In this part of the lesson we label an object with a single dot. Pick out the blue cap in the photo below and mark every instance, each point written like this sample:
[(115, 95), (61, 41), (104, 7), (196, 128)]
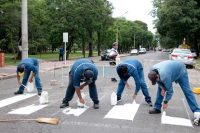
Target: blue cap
[(88, 74)]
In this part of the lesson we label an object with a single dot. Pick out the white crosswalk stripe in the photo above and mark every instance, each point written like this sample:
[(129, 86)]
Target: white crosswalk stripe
[(127, 111), (15, 99), (28, 109)]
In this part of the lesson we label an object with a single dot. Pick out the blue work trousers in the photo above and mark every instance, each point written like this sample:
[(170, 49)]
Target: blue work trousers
[(184, 84), (143, 86), (25, 80), (71, 89)]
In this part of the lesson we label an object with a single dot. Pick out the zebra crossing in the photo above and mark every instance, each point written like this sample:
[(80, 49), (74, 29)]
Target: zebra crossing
[(126, 111)]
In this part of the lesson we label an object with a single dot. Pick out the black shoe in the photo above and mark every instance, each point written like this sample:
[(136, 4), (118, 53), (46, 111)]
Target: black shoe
[(154, 111), (18, 92), (149, 103), (96, 106), (119, 99), (113, 79), (39, 93), (63, 105)]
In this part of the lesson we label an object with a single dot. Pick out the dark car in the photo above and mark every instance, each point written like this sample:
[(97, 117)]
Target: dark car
[(105, 55)]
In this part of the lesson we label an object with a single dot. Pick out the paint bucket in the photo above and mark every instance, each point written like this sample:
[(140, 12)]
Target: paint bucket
[(44, 97), (30, 87), (113, 99)]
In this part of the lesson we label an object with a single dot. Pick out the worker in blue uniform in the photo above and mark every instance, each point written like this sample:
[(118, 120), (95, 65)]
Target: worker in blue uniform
[(164, 74), (132, 68), (83, 71), (24, 68)]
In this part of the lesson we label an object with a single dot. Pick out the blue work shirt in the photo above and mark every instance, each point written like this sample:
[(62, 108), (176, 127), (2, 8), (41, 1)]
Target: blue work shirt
[(169, 71), (30, 64), (134, 68), (61, 51), (79, 67)]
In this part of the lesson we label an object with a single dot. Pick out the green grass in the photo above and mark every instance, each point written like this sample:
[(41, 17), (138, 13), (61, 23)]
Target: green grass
[(198, 61), (9, 58)]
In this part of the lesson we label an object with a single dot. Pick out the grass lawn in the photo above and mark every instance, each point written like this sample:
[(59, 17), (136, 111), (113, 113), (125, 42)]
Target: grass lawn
[(9, 58), (198, 61)]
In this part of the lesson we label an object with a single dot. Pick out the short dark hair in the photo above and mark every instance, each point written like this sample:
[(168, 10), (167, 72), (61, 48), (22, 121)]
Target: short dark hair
[(20, 68), (122, 69), (153, 76)]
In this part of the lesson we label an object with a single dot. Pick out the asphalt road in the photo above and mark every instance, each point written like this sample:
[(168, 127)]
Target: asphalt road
[(92, 120)]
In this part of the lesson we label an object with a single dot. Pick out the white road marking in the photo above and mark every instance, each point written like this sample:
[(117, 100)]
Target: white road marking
[(14, 99), (125, 112), (28, 109), (175, 120), (75, 112)]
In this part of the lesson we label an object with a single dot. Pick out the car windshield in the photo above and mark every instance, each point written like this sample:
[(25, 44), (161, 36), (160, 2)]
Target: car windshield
[(182, 51)]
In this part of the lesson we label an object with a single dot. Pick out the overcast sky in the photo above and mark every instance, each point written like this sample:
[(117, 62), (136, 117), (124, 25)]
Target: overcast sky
[(137, 10)]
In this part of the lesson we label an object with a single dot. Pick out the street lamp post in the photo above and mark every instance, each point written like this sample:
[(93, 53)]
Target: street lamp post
[(117, 34), (24, 30)]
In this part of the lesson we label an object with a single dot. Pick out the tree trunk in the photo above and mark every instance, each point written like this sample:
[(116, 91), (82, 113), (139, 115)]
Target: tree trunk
[(90, 44), (99, 43), (83, 46)]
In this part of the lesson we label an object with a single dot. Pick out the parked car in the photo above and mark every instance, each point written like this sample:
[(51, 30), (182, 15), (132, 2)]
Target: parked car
[(142, 51), (194, 54), (105, 55), (134, 52), (184, 55)]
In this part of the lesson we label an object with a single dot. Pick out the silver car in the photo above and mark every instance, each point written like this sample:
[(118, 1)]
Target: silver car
[(184, 55)]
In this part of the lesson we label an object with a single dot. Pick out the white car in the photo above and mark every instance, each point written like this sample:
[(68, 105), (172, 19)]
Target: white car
[(134, 52), (142, 51), (183, 55)]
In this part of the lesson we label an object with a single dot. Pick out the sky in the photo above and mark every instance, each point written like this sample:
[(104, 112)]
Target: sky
[(136, 10)]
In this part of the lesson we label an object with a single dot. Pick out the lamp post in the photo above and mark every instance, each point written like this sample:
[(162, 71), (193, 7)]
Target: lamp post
[(117, 34), (24, 29)]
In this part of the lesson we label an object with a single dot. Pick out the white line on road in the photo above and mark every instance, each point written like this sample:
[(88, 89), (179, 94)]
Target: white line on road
[(28, 109), (125, 112), (14, 99)]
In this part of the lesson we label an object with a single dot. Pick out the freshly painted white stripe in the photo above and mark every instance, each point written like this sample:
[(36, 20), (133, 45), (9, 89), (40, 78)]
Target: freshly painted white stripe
[(28, 109), (75, 112), (125, 112), (175, 120), (14, 99)]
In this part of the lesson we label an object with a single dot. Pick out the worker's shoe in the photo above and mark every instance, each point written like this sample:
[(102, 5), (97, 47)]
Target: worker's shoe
[(64, 104), (113, 79), (149, 103), (96, 106), (119, 99), (39, 93), (18, 92), (154, 111)]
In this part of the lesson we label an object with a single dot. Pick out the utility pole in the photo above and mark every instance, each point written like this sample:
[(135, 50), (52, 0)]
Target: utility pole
[(24, 26), (117, 34)]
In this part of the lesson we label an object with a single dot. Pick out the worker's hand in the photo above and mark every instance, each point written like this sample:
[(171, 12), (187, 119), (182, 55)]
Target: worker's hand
[(82, 101), (164, 106), (30, 80), (163, 92), (19, 82), (128, 86)]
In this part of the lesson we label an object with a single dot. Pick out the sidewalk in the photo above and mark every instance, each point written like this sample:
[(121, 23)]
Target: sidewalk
[(10, 71)]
